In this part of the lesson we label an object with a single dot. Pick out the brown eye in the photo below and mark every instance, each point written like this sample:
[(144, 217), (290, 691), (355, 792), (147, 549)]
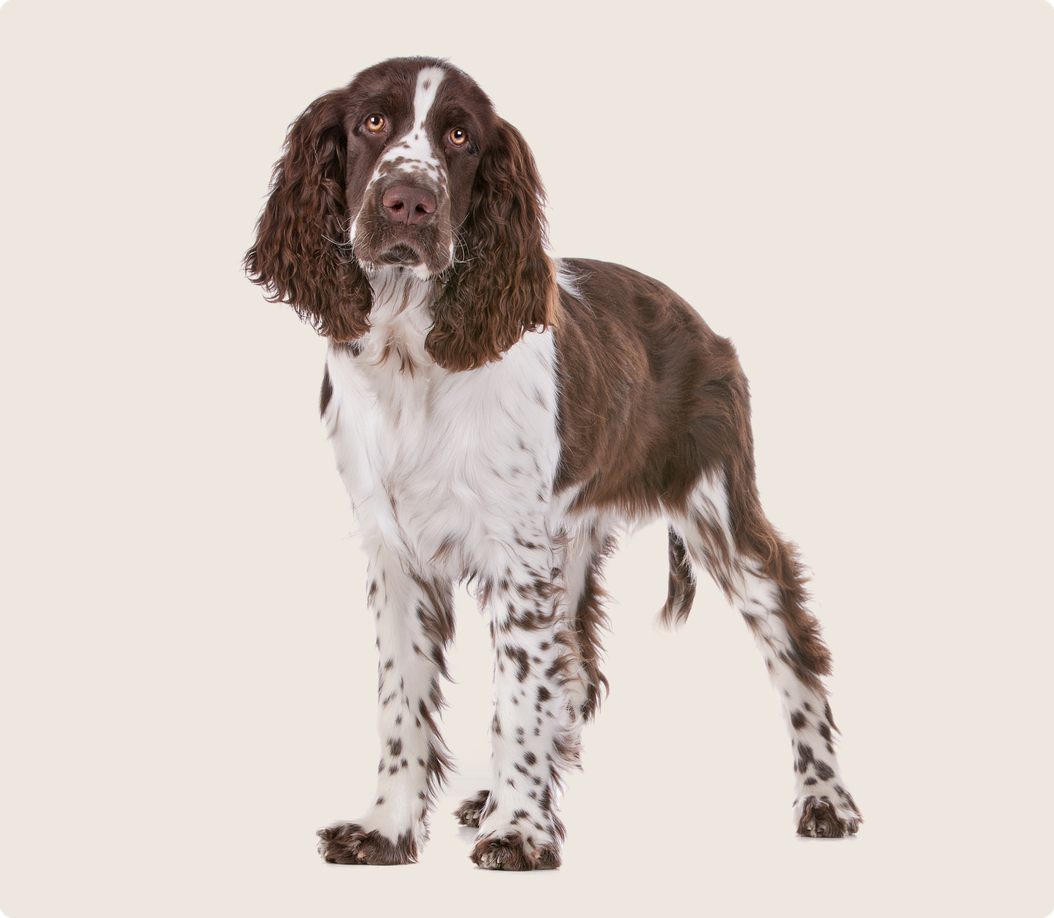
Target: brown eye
[(458, 137), (375, 124)]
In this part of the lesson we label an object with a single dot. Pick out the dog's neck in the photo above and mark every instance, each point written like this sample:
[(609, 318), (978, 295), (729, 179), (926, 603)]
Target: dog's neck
[(400, 319)]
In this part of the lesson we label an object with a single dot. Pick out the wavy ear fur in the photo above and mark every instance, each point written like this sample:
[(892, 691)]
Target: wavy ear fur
[(301, 256), (506, 284)]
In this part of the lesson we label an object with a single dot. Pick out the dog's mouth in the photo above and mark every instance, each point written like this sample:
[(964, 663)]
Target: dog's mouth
[(424, 252), (400, 254)]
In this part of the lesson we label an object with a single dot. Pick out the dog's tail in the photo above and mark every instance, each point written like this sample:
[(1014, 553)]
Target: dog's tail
[(682, 585)]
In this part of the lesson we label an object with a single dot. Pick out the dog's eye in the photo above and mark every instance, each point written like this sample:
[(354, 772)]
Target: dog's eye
[(458, 137), (375, 124)]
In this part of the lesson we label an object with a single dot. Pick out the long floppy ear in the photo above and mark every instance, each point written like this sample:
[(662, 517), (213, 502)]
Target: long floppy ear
[(301, 256), (506, 284)]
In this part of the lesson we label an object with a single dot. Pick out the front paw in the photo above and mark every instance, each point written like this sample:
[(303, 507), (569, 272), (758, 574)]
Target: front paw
[(350, 843), (820, 817), (514, 851)]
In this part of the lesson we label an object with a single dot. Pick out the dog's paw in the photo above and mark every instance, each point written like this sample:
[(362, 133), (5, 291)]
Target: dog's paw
[(350, 843), (514, 851), (470, 813), (819, 817)]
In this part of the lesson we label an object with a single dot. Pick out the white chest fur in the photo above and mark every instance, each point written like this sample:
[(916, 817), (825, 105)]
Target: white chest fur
[(451, 468)]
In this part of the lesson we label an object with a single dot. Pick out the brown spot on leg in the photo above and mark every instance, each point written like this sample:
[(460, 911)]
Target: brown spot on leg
[(805, 757), (824, 771)]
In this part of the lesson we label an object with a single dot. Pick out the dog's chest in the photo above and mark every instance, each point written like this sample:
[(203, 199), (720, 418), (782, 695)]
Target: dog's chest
[(460, 464)]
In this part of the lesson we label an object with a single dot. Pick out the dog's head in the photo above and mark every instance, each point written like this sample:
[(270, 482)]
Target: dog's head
[(408, 167)]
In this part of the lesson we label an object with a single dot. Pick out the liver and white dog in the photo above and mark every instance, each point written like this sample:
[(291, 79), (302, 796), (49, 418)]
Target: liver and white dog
[(498, 415)]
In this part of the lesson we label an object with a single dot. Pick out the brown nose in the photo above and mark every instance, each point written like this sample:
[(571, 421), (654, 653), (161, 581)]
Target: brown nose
[(408, 204)]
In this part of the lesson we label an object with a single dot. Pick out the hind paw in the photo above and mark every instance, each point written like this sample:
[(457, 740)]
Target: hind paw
[(820, 818)]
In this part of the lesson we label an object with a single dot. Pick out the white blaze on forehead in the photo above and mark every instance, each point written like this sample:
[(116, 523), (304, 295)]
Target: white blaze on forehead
[(428, 81), (414, 144)]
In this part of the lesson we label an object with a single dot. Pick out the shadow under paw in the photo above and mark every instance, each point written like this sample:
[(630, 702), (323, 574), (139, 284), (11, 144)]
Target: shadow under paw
[(819, 819), (470, 812), (350, 843), (511, 852)]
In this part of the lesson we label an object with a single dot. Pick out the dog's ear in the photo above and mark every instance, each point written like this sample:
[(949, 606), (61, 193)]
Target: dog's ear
[(504, 283), (301, 255)]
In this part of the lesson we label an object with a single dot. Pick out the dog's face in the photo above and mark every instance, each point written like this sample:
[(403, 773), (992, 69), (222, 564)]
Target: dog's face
[(415, 135), (409, 167)]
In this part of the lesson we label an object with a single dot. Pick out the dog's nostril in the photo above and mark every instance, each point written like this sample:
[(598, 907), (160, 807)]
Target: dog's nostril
[(408, 204)]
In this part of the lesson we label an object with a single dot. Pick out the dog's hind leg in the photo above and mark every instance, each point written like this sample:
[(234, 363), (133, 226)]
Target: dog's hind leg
[(726, 534)]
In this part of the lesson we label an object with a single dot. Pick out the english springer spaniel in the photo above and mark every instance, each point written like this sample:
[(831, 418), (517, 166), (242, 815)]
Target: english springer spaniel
[(498, 415)]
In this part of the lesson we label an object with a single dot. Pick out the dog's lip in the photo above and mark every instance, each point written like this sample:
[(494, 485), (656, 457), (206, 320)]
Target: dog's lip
[(401, 253)]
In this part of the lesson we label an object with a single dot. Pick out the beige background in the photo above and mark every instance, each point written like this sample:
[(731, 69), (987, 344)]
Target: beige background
[(860, 195)]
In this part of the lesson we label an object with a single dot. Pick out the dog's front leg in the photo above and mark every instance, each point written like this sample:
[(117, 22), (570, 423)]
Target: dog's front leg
[(415, 622), (532, 739)]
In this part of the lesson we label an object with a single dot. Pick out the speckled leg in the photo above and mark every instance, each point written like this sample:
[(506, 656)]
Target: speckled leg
[(415, 621), (532, 738), (584, 619), (766, 584)]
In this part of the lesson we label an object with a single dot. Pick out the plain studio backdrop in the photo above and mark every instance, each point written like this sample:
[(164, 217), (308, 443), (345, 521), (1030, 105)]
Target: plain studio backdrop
[(859, 195)]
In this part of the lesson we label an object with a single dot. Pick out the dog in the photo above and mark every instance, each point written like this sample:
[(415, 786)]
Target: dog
[(497, 415)]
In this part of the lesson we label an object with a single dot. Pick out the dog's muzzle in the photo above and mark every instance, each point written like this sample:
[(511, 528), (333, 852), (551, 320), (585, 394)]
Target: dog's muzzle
[(404, 221)]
